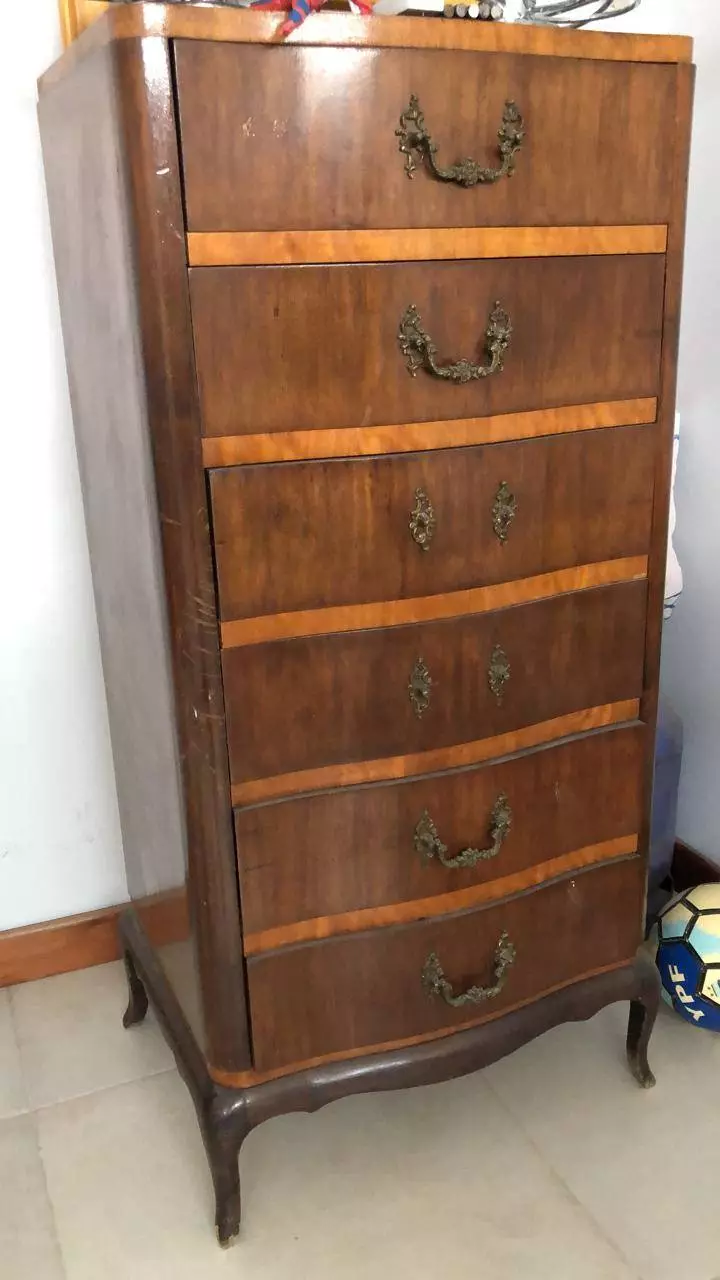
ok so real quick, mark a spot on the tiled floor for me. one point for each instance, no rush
(551, 1165)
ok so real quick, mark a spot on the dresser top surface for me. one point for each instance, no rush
(213, 22)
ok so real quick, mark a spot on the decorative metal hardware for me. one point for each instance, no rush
(422, 520)
(503, 511)
(436, 984)
(419, 687)
(421, 353)
(498, 672)
(416, 141)
(429, 845)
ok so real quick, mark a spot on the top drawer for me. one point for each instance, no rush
(300, 138)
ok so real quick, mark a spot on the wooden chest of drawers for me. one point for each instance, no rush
(375, 450)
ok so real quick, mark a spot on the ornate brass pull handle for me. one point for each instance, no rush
(436, 984)
(422, 520)
(419, 686)
(504, 511)
(420, 351)
(498, 672)
(429, 845)
(414, 137)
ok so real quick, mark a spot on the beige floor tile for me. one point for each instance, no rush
(28, 1247)
(71, 1039)
(13, 1098)
(434, 1184)
(645, 1163)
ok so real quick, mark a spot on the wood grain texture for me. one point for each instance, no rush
(584, 329)
(365, 989)
(464, 754)
(306, 536)
(253, 122)
(509, 1027)
(394, 613)
(186, 22)
(78, 942)
(112, 166)
(330, 700)
(446, 904)
(287, 248)
(298, 860)
(680, 130)
(352, 442)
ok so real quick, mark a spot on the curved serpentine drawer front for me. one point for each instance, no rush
(306, 703)
(306, 864)
(296, 348)
(301, 138)
(369, 989)
(307, 535)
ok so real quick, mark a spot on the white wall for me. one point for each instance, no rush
(60, 849)
(691, 653)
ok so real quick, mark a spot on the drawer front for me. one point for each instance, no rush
(351, 850)
(306, 703)
(301, 138)
(326, 340)
(305, 535)
(367, 989)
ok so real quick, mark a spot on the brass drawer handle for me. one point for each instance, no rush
(504, 511)
(422, 520)
(498, 673)
(414, 137)
(429, 845)
(419, 687)
(421, 353)
(436, 984)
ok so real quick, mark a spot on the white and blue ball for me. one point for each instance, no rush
(687, 936)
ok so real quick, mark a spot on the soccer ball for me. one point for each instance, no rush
(687, 936)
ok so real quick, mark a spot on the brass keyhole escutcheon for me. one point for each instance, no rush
(422, 520)
(419, 688)
(498, 673)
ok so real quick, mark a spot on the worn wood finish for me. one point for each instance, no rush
(112, 169)
(364, 989)
(251, 124)
(338, 531)
(394, 613)
(326, 338)
(298, 860)
(423, 762)
(304, 704)
(681, 129)
(298, 351)
(287, 248)
(350, 442)
(241, 26)
(320, 927)
(230, 1106)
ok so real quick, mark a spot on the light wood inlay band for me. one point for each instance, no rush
(441, 905)
(467, 753)
(246, 1079)
(393, 613)
(173, 21)
(285, 248)
(356, 442)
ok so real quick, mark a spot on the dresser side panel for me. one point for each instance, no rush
(679, 131)
(113, 184)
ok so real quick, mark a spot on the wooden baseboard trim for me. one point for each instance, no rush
(690, 867)
(79, 942)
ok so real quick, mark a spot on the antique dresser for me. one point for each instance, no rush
(371, 341)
